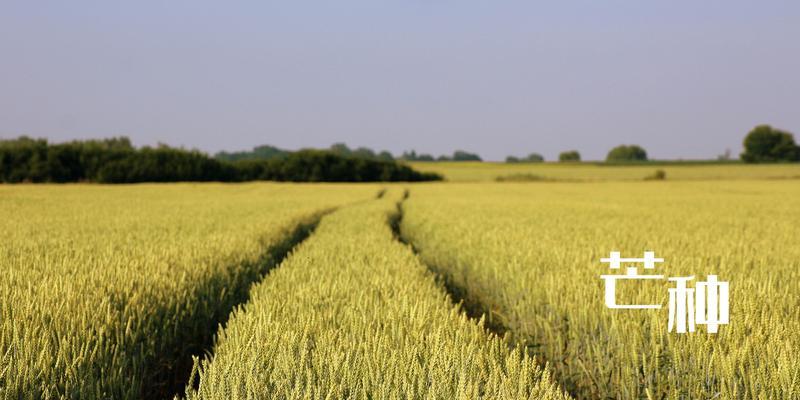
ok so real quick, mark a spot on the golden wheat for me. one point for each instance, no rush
(352, 314)
(530, 253)
(101, 284)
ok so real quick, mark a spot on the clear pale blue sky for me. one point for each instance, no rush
(682, 78)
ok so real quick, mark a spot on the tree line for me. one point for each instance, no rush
(268, 152)
(116, 160)
(762, 144)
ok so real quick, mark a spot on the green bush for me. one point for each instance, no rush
(571, 155)
(532, 158)
(627, 153)
(521, 178)
(461, 155)
(659, 175)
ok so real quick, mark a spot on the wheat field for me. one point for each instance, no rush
(106, 289)
(424, 291)
(352, 313)
(530, 253)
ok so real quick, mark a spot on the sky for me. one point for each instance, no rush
(683, 79)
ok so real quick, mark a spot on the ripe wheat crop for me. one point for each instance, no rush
(530, 253)
(104, 288)
(107, 291)
(352, 313)
(465, 171)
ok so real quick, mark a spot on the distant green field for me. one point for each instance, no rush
(490, 171)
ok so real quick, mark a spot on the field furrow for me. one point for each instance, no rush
(473, 306)
(352, 313)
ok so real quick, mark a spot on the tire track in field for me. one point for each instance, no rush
(170, 373)
(471, 304)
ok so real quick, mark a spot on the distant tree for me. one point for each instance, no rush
(627, 153)
(461, 155)
(413, 156)
(767, 144)
(409, 155)
(264, 152)
(530, 158)
(385, 156)
(364, 152)
(457, 156)
(571, 155)
(340, 149)
(534, 157)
